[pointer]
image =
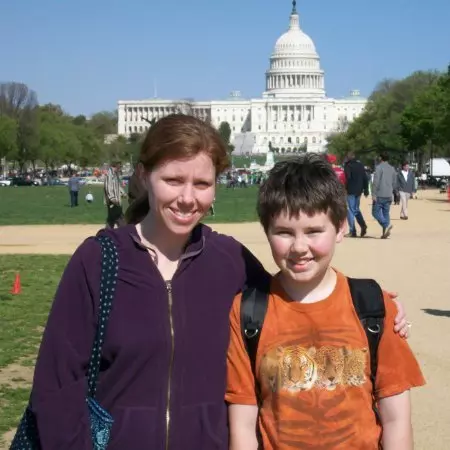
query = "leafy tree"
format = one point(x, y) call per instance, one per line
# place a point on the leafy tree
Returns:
point(103, 123)
point(91, 148)
point(379, 127)
point(225, 132)
point(8, 136)
point(426, 121)
point(79, 120)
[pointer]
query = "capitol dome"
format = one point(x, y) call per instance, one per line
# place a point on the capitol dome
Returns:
point(294, 41)
point(294, 64)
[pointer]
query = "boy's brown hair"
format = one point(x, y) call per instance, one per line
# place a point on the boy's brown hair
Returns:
point(306, 184)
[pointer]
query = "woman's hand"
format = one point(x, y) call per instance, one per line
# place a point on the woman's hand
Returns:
point(401, 326)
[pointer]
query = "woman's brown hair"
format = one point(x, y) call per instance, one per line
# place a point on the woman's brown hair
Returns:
point(177, 136)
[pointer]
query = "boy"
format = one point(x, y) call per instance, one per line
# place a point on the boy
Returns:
point(312, 388)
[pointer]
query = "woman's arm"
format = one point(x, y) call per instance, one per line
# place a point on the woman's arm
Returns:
point(60, 386)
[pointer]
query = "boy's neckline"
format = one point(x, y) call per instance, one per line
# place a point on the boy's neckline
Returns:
point(319, 303)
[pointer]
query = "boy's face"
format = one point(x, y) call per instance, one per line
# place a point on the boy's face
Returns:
point(303, 246)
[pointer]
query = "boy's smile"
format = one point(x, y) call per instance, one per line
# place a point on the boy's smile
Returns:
point(303, 246)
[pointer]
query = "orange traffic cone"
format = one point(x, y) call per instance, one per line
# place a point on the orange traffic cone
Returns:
point(17, 288)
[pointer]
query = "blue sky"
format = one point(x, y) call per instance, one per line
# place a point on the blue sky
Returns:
point(87, 54)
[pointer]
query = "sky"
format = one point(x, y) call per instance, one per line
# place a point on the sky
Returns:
point(87, 54)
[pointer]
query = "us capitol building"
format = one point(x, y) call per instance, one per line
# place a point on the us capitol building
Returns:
point(293, 112)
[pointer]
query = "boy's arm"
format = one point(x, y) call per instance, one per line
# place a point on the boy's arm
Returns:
point(397, 372)
point(240, 393)
point(243, 421)
point(395, 415)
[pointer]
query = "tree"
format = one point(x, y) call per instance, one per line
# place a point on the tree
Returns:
point(379, 127)
point(79, 120)
point(342, 124)
point(50, 142)
point(426, 121)
point(19, 103)
point(189, 108)
point(103, 123)
point(8, 136)
point(225, 132)
point(91, 148)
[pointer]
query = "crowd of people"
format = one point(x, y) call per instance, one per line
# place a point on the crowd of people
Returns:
point(386, 185)
point(179, 366)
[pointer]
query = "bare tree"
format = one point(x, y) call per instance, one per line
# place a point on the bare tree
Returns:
point(342, 124)
point(20, 103)
point(189, 107)
point(16, 99)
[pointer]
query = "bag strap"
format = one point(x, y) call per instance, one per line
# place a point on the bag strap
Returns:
point(367, 297)
point(253, 312)
point(368, 301)
point(110, 268)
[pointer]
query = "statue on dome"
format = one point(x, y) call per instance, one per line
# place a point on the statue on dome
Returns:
point(294, 6)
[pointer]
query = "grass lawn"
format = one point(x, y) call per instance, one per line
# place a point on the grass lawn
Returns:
point(50, 205)
point(22, 319)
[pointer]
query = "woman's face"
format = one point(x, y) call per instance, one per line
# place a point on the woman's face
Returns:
point(180, 192)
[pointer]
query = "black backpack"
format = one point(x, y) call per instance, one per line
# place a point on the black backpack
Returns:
point(368, 302)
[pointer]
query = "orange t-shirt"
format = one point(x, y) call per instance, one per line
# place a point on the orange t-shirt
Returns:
point(313, 370)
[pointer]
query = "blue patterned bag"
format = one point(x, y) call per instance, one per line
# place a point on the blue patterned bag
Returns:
point(27, 436)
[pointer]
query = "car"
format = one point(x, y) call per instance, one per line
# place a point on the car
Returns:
point(5, 182)
point(19, 181)
point(94, 181)
point(55, 182)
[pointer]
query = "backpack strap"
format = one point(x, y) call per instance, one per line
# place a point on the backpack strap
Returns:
point(368, 301)
point(253, 312)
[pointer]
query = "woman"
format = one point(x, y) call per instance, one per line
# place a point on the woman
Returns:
point(164, 358)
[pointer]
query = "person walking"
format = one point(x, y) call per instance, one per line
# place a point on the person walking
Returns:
point(356, 184)
point(163, 362)
point(406, 187)
point(384, 183)
point(332, 159)
point(113, 197)
point(74, 189)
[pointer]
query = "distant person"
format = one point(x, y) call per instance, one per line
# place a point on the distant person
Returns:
point(311, 381)
point(135, 188)
point(337, 170)
point(113, 197)
point(406, 185)
point(384, 183)
point(74, 189)
point(356, 184)
point(212, 209)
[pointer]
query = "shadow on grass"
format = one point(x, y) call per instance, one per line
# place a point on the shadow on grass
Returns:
point(437, 312)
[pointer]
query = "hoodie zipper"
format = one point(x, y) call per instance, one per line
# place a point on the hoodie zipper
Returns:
point(172, 338)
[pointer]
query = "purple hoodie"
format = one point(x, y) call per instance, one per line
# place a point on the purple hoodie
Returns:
point(163, 373)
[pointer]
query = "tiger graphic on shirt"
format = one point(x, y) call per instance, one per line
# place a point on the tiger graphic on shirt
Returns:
point(289, 368)
point(294, 368)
